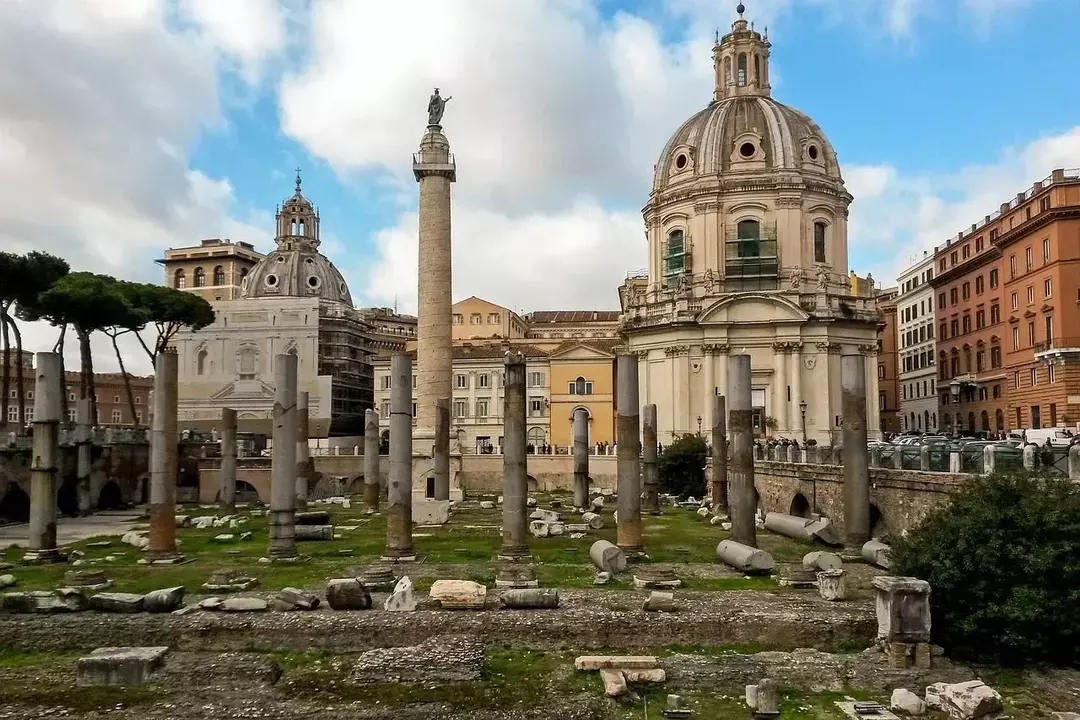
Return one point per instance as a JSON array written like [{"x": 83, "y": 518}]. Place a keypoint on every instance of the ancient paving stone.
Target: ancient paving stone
[
  {"x": 530, "y": 598},
  {"x": 403, "y": 598},
  {"x": 347, "y": 594},
  {"x": 225, "y": 581},
  {"x": 972, "y": 700},
  {"x": 244, "y": 604},
  {"x": 295, "y": 599},
  {"x": 656, "y": 576},
  {"x": 614, "y": 683},
  {"x": 589, "y": 663},
  {"x": 119, "y": 666},
  {"x": 659, "y": 602},
  {"x": 906, "y": 702},
  {"x": 440, "y": 659},
  {"x": 117, "y": 602},
  {"x": 458, "y": 594},
  {"x": 163, "y": 601}
]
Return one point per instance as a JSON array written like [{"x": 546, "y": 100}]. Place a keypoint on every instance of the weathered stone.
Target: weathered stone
[
  {"x": 972, "y": 700},
  {"x": 714, "y": 520},
  {"x": 163, "y": 601},
  {"x": 1065, "y": 715},
  {"x": 211, "y": 603},
  {"x": 602, "y": 578},
  {"x": 313, "y": 517},
  {"x": 676, "y": 707},
  {"x": 7, "y": 581},
  {"x": 244, "y": 604},
  {"x": 431, "y": 512},
  {"x": 614, "y": 683},
  {"x": 458, "y": 594},
  {"x": 906, "y": 702},
  {"x": 744, "y": 558},
  {"x": 607, "y": 557},
  {"x": 607, "y": 492},
  {"x": 546, "y": 515},
  {"x": 876, "y": 553},
  {"x": 593, "y": 520},
  {"x": 183, "y": 521},
  {"x": 64, "y": 600},
  {"x": 223, "y": 581},
  {"x": 659, "y": 602},
  {"x": 821, "y": 560},
  {"x": 703, "y": 512},
  {"x": 933, "y": 695},
  {"x": 487, "y": 505},
  {"x": 203, "y": 522},
  {"x": 89, "y": 580},
  {"x": 576, "y": 528},
  {"x": 376, "y": 577},
  {"x": 597, "y": 503},
  {"x": 119, "y": 666},
  {"x": 762, "y": 699},
  {"x": 224, "y": 538},
  {"x": 656, "y": 576},
  {"x": 903, "y": 609},
  {"x": 655, "y": 675},
  {"x": 117, "y": 602},
  {"x": 530, "y": 598},
  {"x": 314, "y": 532},
  {"x": 403, "y": 598},
  {"x": 347, "y": 594},
  {"x": 294, "y": 599},
  {"x": 440, "y": 659},
  {"x": 530, "y": 502},
  {"x": 556, "y": 529},
  {"x": 539, "y": 528},
  {"x": 515, "y": 573},
  {"x": 832, "y": 584}
]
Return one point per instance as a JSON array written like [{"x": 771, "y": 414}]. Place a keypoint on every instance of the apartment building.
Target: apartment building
[
  {"x": 214, "y": 268},
  {"x": 915, "y": 333},
  {"x": 888, "y": 378}
]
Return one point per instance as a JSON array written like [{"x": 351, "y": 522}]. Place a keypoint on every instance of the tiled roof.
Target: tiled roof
[
  {"x": 572, "y": 316},
  {"x": 607, "y": 346},
  {"x": 490, "y": 351}
]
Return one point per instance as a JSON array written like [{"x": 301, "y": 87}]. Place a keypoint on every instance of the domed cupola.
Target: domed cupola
[{"x": 296, "y": 268}]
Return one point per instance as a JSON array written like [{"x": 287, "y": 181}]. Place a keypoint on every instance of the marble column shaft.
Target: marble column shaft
[
  {"x": 741, "y": 467},
  {"x": 719, "y": 455},
  {"x": 399, "y": 542},
  {"x": 581, "y": 458},
  {"x": 164, "y": 460},
  {"x": 628, "y": 457},
  {"x": 371, "y": 461},
  {"x": 856, "y": 454},
  {"x": 303, "y": 464},
  {"x": 45, "y": 460},
  {"x": 780, "y": 398},
  {"x": 442, "y": 449},
  {"x": 515, "y": 470},
  {"x": 283, "y": 460},
  {"x": 84, "y": 461},
  {"x": 650, "y": 472},
  {"x": 228, "y": 460}
]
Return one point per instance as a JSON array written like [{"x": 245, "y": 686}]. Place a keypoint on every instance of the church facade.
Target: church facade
[
  {"x": 746, "y": 227},
  {"x": 292, "y": 301}
]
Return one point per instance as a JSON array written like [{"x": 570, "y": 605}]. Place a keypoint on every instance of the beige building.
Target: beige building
[
  {"x": 214, "y": 269},
  {"x": 292, "y": 301},
  {"x": 748, "y": 253}
]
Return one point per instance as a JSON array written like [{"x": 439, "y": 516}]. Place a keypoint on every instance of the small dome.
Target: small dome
[
  {"x": 296, "y": 273},
  {"x": 747, "y": 133}
]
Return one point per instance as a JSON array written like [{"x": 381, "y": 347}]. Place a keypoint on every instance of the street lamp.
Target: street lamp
[
  {"x": 802, "y": 409},
  {"x": 699, "y": 425}
]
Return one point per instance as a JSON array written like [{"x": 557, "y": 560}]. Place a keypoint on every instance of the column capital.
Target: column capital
[
  {"x": 715, "y": 348},
  {"x": 676, "y": 350},
  {"x": 868, "y": 349},
  {"x": 828, "y": 347}
]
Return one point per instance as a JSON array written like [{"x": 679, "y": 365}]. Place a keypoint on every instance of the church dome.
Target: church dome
[{"x": 296, "y": 268}]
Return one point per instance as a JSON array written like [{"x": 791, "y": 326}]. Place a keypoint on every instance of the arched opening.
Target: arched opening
[
  {"x": 959, "y": 422},
  {"x": 530, "y": 483},
  {"x": 926, "y": 419},
  {"x": 727, "y": 71},
  {"x": 911, "y": 426},
  {"x": 110, "y": 497},
  {"x": 933, "y": 418},
  {"x": 878, "y": 529},
  {"x": 67, "y": 497},
  {"x": 819, "y": 242},
  {"x": 384, "y": 442},
  {"x": 219, "y": 275},
  {"x": 674, "y": 257},
  {"x": 742, "y": 70},
  {"x": 999, "y": 420},
  {"x": 247, "y": 359},
  {"x": 749, "y": 235},
  {"x": 971, "y": 421},
  {"x": 200, "y": 363},
  {"x": 536, "y": 439},
  {"x": 300, "y": 227},
  {"x": 15, "y": 505},
  {"x": 757, "y": 70},
  {"x": 246, "y": 493},
  {"x": 200, "y": 277},
  {"x": 179, "y": 279},
  {"x": 800, "y": 506},
  {"x": 985, "y": 418},
  {"x": 581, "y": 386},
  {"x": 946, "y": 421}
]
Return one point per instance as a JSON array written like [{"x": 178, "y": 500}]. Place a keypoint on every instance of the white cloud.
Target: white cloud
[
  {"x": 249, "y": 31},
  {"x": 897, "y": 216}
]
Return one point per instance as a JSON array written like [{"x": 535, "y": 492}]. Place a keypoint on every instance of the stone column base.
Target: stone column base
[
  {"x": 515, "y": 572},
  {"x": 46, "y": 556}
]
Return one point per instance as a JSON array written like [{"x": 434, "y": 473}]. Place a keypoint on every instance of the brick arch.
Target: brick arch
[{"x": 800, "y": 506}]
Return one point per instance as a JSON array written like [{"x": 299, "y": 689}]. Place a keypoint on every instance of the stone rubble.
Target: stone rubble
[
  {"x": 403, "y": 598},
  {"x": 244, "y": 604},
  {"x": 530, "y": 598},
  {"x": 119, "y": 666},
  {"x": 7, "y": 581},
  {"x": 832, "y": 584},
  {"x": 458, "y": 594},
  {"x": 347, "y": 594},
  {"x": 295, "y": 599},
  {"x": 972, "y": 700},
  {"x": 659, "y": 602},
  {"x": 676, "y": 707},
  {"x": 116, "y": 602},
  {"x": 607, "y": 556},
  {"x": 906, "y": 702},
  {"x": 440, "y": 659},
  {"x": 164, "y": 601}
]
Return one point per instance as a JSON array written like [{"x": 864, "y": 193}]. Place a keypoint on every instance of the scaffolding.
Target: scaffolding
[
  {"x": 345, "y": 355},
  {"x": 751, "y": 261}
]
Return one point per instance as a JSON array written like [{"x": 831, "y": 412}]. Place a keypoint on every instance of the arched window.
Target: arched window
[
  {"x": 219, "y": 275},
  {"x": 999, "y": 419},
  {"x": 200, "y": 363},
  {"x": 971, "y": 421},
  {"x": 727, "y": 71},
  {"x": 742, "y": 70},
  {"x": 985, "y": 420},
  {"x": 300, "y": 227},
  {"x": 200, "y": 277},
  {"x": 674, "y": 257},
  {"x": 819, "y": 242},
  {"x": 536, "y": 438},
  {"x": 180, "y": 279},
  {"x": 749, "y": 232},
  {"x": 926, "y": 419},
  {"x": 247, "y": 359},
  {"x": 581, "y": 386},
  {"x": 757, "y": 70}
]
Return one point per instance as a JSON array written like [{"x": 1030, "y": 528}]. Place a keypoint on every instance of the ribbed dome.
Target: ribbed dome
[
  {"x": 296, "y": 273},
  {"x": 745, "y": 134}
]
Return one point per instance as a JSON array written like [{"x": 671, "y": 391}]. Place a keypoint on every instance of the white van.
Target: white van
[{"x": 1059, "y": 437}]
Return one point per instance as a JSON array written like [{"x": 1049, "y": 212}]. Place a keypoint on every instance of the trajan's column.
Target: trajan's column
[{"x": 434, "y": 169}]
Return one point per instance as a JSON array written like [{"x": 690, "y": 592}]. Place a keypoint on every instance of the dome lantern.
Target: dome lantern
[{"x": 741, "y": 61}]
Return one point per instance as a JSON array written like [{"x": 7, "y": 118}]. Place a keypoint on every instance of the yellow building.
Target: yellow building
[{"x": 582, "y": 376}]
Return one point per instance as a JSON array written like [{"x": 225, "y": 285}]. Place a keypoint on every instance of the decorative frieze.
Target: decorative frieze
[{"x": 788, "y": 202}]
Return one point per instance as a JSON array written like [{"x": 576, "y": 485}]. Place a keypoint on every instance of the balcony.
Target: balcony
[{"x": 1058, "y": 350}]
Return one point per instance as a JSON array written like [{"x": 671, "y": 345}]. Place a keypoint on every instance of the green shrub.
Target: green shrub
[
  {"x": 682, "y": 466},
  {"x": 1003, "y": 562}
]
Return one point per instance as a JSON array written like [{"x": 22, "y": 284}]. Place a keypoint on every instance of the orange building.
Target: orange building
[{"x": 887, "y": 369}]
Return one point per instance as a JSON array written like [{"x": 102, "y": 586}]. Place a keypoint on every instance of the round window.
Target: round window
[
  {"x": 747, "y": 150},
  {"x": 312, "y": 281},
  {"x": 271, "y": 280},
  {"x": 812, "y": 152},
  {"x": 342, "y": 288},
  {"x": 680, "y": 162}
]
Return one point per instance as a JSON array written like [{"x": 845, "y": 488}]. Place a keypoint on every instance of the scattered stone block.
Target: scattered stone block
[
  {"x": 876, "y": 553},
  {"x": 487, "y": 505},
  {"x": 165, "y": 600},
  {"x": 656, "y": 576},
  {"x": 186, "y": 610},
  {"x": 659, "y": 602},
  {"x": 832, "y": 584},
  {"x": 46, "y": 602},
  {"x": 119, "y": 666},
  {"x": 244, "y": 604},
  {"x": 226, "y": 538},
  {"x": 607, "y": 492},
  {"x": 597, "y": 503},
  {"x": 556, "y": 529},
  {"x": 245, "y": 536},
  {"x": 313, "y": 517},
  {"x": 576, "y": 529},
  {"x": 347, "y": 594},
  {"x": 88, "y": 580},
  {"x": 403, "y": 598},
  {"x": 530, "y": 502},
  {"x": 906, "y": 702},
  {"x": 676, "y": 707},
  {"x": 971, "y": 700},
  {"x": 703, "y": 512},
  {"x": 539, "y": 528},
  {"x": 530, "y": 598},
  {"x": 593, "y": 520},
  {"x": 459, "y": 594},
  {"x": 746, "y": 559},
  {"x": 203, "y": 522},
  {"x": 655, "y": 675},
  {"x": 714, "y": 520},
  {"x": 614, "y": 683},
  {"x": 431, "y": 512},
  {"x": 183, "y": 521},
  {"x": 933, "y": 695},
  {"x": 854, "y": 710},
  {"x": 499, "y": 500},
  {"x": 762, "y": 699},
  {"x": 222, "y": 521},
  {"x": 211, "y": 603},
  {"x": 799, "y": 577},
  {"x": 903, "y": 609},
  {"x": 822, "y": 560},
  {"x": 295, "y": 599},
  {"x": 117, "y": 602},
  {"x": 376, "y": 577},
  {"x": 546, "y": 515},
  {"x": 227, "y": 581},
  {"x": 513, "y": 573},
  {"x": 440, "y": 659},
  {"x": 7, "y": 581},
  {"x": 602, "y": 578},
  {"x": 99, "y": 544},
  {"x": 607, "y": 557},
  {"x": 589, "y": 663},
  {"x": 312, "y": 533}
]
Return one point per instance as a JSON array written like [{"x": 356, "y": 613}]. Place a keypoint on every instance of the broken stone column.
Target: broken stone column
[
  {"x": 628, "y": 463},
  {"x": 371, "y": 461},
  {"x": 83, "y": 440},
  {"x": 745, "y": 558},
  {"x": 164, "y": 462},
  {"x": 441, "y": 449},
  {"x": 515, "y": 471},
  {"x": 741, "y": 471},
  {"x": 530, "y": 598},
  {"x": 762, "y": 699},
  {"x": 581, "y": 459},
  {"x": 876, "y": 553},
  {"x": 46, "y": 456},
  {"x": 399, "y": 546},
  {"x": 856, "y": 469},
  {"x": 719, "y": 456},
  {"x": 659, "y": 602},
  {"x": 283, "y": 461},
  {"x": 832, "y": 584},
  {"x": 607, "y": 557},
  {"x": 650, "y": 472},
  {"x": 303, "y": 467},
  {"x": 228, "y": 460}
]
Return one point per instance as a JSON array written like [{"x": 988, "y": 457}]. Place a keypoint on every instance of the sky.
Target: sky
[{"x": 131, "y": 126}]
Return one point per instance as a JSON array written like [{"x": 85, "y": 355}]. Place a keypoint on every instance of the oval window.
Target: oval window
[
  {"x": 812, "y": 152},
  {"x": 271, "y": 280},
  {"x": 312, "y": 281},
  {"x": 680, "y": 162},
  {"x": 747, "y": 150}
]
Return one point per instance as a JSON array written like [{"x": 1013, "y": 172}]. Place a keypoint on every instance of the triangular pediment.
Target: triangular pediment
[
  {"x": 245, "y": 390},
  {"x": 579, "y": 351}
]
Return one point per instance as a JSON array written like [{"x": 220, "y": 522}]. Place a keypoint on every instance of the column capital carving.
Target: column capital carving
[
  {"x": 715, "y": 348},
  {"x": 676, "y": 350},
  {"x": 828, "y": 347},
  {"x": 868, "y": 349},
  {"x": 707, "y": 206},
  {"x": 781, "y": 347},
  {"x": 639, "y": 354},
  {"x": 796, "y": 347},
  {"x": 788, "y": 202}
]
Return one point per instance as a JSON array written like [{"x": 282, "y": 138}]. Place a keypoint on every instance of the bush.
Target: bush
[
  {"x": 1003, "y": 562},
  {"x": 682, "y": 466}
]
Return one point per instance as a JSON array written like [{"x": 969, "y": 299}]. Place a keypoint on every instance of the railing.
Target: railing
[{"x": 1057, "y": 343}]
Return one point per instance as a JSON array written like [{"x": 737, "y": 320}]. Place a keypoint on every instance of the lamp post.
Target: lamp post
[
  {"x": 802, "y": 411},
  {"x": 699, "y": 425}
]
